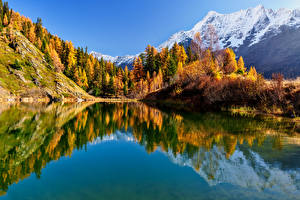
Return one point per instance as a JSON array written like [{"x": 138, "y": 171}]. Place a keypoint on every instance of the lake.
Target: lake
[{"x": 121, "y": 151}]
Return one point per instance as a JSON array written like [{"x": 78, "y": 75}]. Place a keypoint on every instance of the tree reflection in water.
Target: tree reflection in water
[{"x": 32, "y": 136}]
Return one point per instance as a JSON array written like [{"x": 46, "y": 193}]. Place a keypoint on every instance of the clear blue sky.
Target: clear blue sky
[{"x": 120, "y": 27}]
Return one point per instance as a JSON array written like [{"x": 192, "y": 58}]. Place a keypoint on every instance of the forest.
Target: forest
[
  {"x": 201, "y": 74},
  {"x": 152, "y": 70}
]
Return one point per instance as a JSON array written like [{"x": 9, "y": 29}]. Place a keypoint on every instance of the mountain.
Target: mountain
[
  {"x": 25, "y": 74},
  {"x": 121, "y": 61},
  {"x": 268, "y": 39}
]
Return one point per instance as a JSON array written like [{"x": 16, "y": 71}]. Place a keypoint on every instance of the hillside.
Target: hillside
[{"x": 25, "y": 75}]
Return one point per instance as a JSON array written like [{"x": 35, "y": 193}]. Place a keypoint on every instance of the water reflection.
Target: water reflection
[{"x": 257, "y": 153}]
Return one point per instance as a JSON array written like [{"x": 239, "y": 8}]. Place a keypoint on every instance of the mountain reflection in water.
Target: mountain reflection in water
[{"x": 249, "y": 152}]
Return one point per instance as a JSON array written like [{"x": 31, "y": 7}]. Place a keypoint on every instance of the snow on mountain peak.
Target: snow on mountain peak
[{"x": 105, "y": 57}]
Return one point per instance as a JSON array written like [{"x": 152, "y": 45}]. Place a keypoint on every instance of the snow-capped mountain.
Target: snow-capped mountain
[
  {"x": 268, "y": 39},
  {"x": 105, "y": 57},
  {"x": 235, "y": 28},
  {"x": 121, "y": 61}
]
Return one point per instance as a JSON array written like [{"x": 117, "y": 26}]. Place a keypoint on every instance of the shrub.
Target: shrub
[
  {"x": 277, "y": 86},
  {"x": 16, "y": 65},
  {"x": 28, "y": 62}
]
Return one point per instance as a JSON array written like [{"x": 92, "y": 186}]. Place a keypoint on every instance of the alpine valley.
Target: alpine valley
[{"x": 267, "y": 39}]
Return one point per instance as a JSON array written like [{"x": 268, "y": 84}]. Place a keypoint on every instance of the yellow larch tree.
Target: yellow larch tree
[
  {"x": 138, "y": 69},
  {"x": 230, "y": 64},
  {"x": 252, "y": 74},
  {"x": 5, "y": 20}
]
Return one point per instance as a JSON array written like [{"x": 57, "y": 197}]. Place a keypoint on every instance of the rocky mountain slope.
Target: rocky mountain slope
[
  {"x": 266, "y": 38},
  {"x": 25, "y": 75}
]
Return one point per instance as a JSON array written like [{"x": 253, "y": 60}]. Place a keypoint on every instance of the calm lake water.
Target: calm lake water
[{"x": 132, "y": 151}]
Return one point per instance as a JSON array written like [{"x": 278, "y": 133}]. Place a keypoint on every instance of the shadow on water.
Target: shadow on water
[{"x": 250, "y": 152}]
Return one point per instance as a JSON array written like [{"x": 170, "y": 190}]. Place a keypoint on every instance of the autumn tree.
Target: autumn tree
[
  {"x": 197, "y": 45},
  {"x": 150, "y": 59},
  {"x": 90, "y": 68},
  {"x": 138, "y": 69},
  {"x": 158, "y": 80},
  {"x": 59, "y": 67},
  {"x": 208, "y": 62},
  {"x": 71, "y": 59},
  {"x": 164, "y": 59},
  {"x": 181, "y": 58},
  {"x": 97, "y": 81},
  {"x": 230, "y": 64},
  {"x": 211, "y": 37},
  {"x": 148, "y": 79},
  {"x": 39, "y": 28},
  {"x": 119, "y": 84},
  {"x": 31, "y": 34},
  {"x": 241, "y": 66},
  {"x": 252, "y": 74},
  {"x": 5, "y": 20},
  {"x": 1, "y": 12}
]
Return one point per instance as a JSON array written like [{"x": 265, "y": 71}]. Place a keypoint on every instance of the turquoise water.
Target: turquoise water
[{"x": 132, "y": 151}]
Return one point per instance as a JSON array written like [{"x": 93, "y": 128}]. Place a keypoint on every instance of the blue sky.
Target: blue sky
[{"x": 120, "y": 27}]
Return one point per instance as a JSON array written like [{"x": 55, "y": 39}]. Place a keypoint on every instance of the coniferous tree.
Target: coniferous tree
[
  {"x": 252, "y": 74},
  {"x": 174, "y": 52},
  {"x": 138, "y": 69},
  {"x": 230, "y": 64},
  {"x": 5, "y": 9},
  {"x": 5, "y": 20},
  {"x": 241, "y": 66},
  {"x": 111, "y": 86},
  {"x": 1, "y": 13},
  {"x": 44, "y": 46},
  {"x": 172, "y": 67},
  {"x": 190, "y": 56},
  {"x": 150, "y": 60},
  {"x": 181, "y": 55},
  {"x": 125, "y": 89},
  {"x": 39, "y": 28},
  {"x": 31, "y": 34}
]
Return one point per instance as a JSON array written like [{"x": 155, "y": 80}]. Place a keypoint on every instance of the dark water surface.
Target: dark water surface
[{"x": 131, "y": 151}]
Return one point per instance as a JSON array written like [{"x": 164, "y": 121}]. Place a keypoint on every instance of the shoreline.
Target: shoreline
[
  {"x": 161, "y": 104},
  {"x": 180, "y": 106},
  {"x": 65, "y": 100}
]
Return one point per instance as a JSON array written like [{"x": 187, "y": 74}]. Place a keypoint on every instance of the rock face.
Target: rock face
[
  {"x": 266, "y": 38},
  {"x": 277, "y": 53},
  {"x": 33, "y": 78}
]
